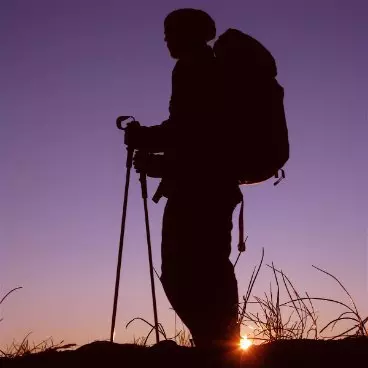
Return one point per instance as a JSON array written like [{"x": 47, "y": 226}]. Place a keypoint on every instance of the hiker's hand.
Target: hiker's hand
[
  {"x": 152, "y": 165},
  {"x": 132, "y": 134},
  {"x": 141, "y": 161}
]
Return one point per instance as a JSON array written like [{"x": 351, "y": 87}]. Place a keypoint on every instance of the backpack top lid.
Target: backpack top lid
[{"x": 241, "y": 49}]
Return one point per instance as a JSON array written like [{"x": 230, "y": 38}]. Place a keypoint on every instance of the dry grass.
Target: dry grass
[
  {"x": 7, "y": 294},
  {"x": 182, "y": 337},
  {"x": 295, "y": 318},
  {"x": 26, "y": 348}
]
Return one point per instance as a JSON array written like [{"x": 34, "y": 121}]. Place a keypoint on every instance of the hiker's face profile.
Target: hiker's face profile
[
  {"x": 181, "y": 43},
  {"x": 175, "y": 43}
]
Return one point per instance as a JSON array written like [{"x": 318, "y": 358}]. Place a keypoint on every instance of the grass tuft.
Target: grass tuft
[
  {"x": 25, "y": 347},
  {"x": 273, "y": 322}
]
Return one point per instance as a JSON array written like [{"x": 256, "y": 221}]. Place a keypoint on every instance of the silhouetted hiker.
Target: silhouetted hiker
[{"x": 197, "y": 275}]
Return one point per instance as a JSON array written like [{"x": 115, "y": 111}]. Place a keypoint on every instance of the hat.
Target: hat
[{"x": 193, "y": 23}]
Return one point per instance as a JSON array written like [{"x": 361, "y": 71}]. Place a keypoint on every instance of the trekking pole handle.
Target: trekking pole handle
[{"x": 120, "y": 119}]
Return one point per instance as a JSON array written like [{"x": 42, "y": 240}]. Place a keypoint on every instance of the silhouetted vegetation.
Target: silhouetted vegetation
[{"x": 276, "y": 328}]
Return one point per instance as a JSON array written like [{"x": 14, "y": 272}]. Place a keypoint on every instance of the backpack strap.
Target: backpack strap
[
  {"x": 159, "y": 193},
  {"x": 277, "y": 176},
  {"x": 241, "y": 245}
]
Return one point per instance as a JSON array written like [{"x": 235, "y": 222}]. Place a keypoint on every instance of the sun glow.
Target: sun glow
[{"x": 245, "y": 343}]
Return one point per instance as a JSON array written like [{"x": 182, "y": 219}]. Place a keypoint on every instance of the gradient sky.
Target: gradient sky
[{"x": 70, "y": 67}]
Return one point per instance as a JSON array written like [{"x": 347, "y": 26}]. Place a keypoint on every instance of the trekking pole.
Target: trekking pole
[
  {"x": 129, "y": 162},
  {"x": 143, "y": 180}
]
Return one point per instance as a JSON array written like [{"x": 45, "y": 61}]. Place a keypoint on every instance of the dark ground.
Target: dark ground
[{"x": 349, "y": 352}]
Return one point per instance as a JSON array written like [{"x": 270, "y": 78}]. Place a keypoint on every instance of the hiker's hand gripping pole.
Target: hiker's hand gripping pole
[{"x": 129, "y": 161}]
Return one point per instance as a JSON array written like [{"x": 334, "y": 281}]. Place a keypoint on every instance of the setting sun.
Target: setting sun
[{"x": 245, "y": 343}]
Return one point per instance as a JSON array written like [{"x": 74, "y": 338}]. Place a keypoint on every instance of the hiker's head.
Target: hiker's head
[{"x": 188, "y": 30}]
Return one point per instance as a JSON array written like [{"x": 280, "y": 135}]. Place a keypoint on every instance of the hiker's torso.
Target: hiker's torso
[{"x": 196, "y": 158}]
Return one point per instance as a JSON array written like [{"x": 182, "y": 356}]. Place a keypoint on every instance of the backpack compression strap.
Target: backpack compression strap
[
  {"x": 277, "y": 177},
  {"x": 241, "y": 244}
]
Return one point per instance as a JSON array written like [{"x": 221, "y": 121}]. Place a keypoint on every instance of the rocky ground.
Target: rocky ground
[{"x": 350, "y": 352}]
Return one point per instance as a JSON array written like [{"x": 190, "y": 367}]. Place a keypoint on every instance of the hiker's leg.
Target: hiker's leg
[
  {"x": 220, "y": 296},
  {"x": 197, "y": 274}
]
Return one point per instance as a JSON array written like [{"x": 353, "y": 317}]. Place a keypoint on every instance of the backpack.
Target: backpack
[{"x": 253, "y": 104}]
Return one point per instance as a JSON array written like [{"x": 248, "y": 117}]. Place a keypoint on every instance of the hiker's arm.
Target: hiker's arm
[
  {"x": 156, "y": 138},
  {"x": 192, "y": 101},
  {"x": 152, "y": 139}
]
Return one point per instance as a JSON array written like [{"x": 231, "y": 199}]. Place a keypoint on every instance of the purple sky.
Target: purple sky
[{"x": 70, "y": 67}]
